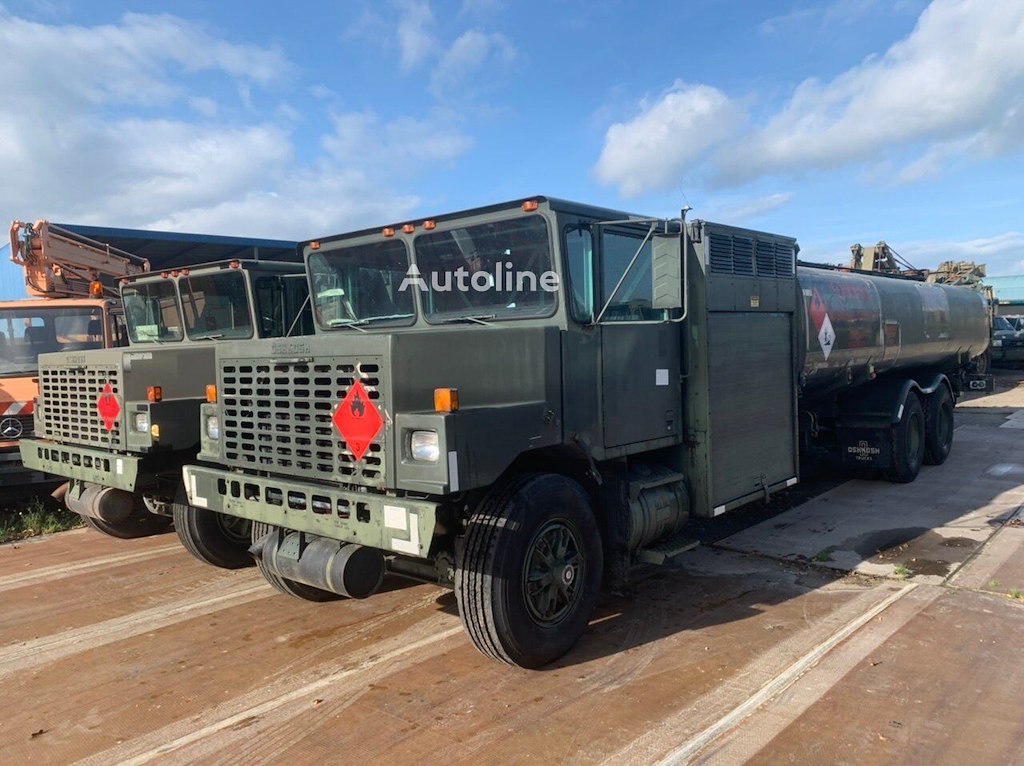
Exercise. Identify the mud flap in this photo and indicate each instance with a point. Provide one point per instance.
(865, 447)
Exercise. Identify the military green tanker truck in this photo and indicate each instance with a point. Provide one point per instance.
(598, 379)
(120, 423)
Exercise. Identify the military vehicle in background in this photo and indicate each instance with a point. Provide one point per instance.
(601, 378)
(119, 424)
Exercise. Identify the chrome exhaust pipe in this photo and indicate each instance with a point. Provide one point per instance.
(350, 570)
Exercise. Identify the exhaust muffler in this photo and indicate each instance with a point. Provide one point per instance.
(347, 569)
(103, 503)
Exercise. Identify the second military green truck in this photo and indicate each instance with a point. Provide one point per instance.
(523, 401)
(120, 423)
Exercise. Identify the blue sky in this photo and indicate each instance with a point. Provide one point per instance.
(834, 122)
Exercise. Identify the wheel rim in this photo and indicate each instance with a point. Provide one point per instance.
(234, 528)
(554, 572)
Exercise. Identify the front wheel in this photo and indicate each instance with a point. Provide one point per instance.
(213, 538)
(908, 442)
(528, 575)
(939, 427)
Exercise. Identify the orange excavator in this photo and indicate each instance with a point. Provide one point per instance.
(75, 306)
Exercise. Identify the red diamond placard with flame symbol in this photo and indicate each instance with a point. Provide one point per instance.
(358, 420)
(109, 407)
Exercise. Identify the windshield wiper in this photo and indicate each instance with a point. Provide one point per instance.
(353, 323)
(478, 318)
(208, 336)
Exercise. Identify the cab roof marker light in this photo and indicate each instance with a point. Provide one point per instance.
(408, 228)
(530, 205)
(315, 245)
(388, 231)
(235, 264)
(430, 225)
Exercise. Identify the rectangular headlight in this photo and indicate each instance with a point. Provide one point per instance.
(141, 422)
(423, 445)
(213, 426)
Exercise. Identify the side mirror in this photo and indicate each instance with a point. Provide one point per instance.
(666, 272)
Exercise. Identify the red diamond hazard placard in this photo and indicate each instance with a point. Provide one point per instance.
(358, 420)
(109, 407)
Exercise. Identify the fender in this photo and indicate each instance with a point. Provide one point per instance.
(884, 399)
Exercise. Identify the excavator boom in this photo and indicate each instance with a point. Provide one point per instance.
(61, 264)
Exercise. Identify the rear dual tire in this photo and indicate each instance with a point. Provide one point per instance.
(908, 442)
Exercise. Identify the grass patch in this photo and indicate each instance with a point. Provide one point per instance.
(35, 519)
(901, 570)
(1017, 594)
(824, 555)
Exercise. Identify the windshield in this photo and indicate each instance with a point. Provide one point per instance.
(489, 271)
(216, 305)
(25, 333)
(151, 309)
(361, 284)
(1001, 323)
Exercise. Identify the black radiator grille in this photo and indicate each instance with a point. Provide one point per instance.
(278, 417)
(70, 398)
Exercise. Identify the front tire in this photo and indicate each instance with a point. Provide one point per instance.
(528, 575)
(939, 427)
(213, 538)
(908, 442)
(283, 585)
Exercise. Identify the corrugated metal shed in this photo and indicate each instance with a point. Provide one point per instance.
(1008, 290)
(167, 249)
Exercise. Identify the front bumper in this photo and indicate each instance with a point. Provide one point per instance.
(402, 525)
(91, 465)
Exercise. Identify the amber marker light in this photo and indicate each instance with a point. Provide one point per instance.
(211, 394)
(530, 205)
(235, 264)
(408, 228)
(446, 399)
(155, 393)
(96, 289)
(430, 225)
(314, 245)
(388, 231)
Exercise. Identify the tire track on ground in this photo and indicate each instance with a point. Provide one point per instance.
(62, 571)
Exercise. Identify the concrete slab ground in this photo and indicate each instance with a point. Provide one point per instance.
(131, 652)
(927, 528)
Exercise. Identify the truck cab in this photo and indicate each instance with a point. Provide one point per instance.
(29, 328)
(118, 424)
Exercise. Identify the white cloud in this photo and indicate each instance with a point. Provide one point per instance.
(1002, 254)
(471, 51)
(954, 87)
(105, 127)
(653, 150)
(416, 39)
(741, 211)
(925, 88)
(405, 146)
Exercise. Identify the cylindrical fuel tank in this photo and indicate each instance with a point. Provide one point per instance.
(856, 325)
